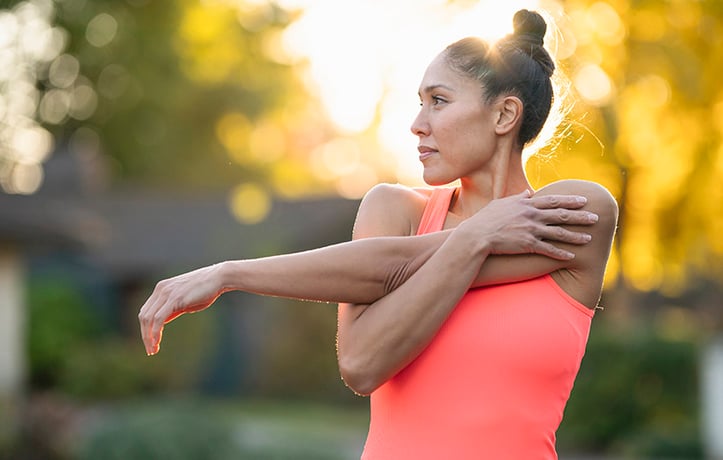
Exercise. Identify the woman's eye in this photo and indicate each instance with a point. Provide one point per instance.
(436, 100)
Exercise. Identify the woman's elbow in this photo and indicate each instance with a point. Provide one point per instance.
(358, 376)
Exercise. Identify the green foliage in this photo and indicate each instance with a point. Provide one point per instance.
(71, 352)
(636, 394)
(107, 368)
(60, 319)
(167, 77)
(299, 360)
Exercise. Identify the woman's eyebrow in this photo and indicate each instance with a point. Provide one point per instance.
(430, 88)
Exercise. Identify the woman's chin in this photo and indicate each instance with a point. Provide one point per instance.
(435, 180)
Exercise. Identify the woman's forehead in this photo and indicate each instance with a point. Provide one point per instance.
(440, 74)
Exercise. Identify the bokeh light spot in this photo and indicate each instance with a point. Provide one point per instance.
(606, 21)
(83, 102)
(26, 178)
(101, 30)
(250, 203)
(54, 106)
(593, 84)
(63, 71)
(657, 89)
(32, 144)
(113, 81)
(232, 130)
(267, 141)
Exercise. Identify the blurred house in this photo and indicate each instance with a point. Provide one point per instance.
(127, 238)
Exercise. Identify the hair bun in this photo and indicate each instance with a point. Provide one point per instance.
(529, 27)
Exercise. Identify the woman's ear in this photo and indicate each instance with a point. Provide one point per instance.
(509, 114)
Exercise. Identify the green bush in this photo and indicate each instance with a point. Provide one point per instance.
(72, 351)
(60, 319)
(108, 368)
(635, 396)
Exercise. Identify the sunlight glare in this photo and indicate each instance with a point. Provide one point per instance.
(357, 182)
(366, 59)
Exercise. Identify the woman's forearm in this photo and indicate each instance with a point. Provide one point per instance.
(360, 271)
(376, 341)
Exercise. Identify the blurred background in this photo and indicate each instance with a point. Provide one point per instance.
(143, 138)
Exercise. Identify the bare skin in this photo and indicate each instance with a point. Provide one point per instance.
(459, 137)
(377, 340)
(357, 271)
(397, 289)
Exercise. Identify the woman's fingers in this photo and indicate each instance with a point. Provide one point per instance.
(152, 317)
(145, 321)
(546, 249)
(173, 297)
(558, 201)
(563, 235)
(561, 216)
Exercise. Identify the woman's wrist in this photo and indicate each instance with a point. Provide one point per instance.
(230, 275)
(477, 243)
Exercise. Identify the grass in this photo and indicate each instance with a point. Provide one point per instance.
(219, 430)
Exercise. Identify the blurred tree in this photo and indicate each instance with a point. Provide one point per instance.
(192, 93)
(197, 93)
(647, 124)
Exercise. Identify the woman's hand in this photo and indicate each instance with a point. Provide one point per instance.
(524, 224)
(187, 293)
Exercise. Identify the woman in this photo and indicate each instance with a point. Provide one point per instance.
(459, 317)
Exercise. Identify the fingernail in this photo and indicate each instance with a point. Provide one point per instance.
(581, 200)
(594, 217)
(587, 237)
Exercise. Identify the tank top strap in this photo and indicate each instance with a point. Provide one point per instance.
(435, 212)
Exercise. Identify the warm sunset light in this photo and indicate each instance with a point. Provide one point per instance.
(144, 143)
(365, 61)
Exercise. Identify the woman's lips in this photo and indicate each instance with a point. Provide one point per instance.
(425, 152)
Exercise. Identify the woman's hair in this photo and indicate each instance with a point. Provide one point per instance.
(517, 64)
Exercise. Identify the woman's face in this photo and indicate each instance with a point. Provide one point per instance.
(455, 126)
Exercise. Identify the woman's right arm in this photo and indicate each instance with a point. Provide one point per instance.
(377, 340)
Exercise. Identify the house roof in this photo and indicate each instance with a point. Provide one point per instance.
(41, 221)
(153, 231)
(136, 232)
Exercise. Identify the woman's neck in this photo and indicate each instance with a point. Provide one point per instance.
(505, 176)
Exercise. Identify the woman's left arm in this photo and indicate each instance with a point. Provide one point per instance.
(582, 276)
(362, 272)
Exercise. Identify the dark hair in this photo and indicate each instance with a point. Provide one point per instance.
(517, 64)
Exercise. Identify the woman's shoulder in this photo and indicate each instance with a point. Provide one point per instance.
(583, 278)
(390, 210)
(599, 199)
(594, 192)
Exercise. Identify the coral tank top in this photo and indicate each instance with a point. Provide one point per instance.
(494, 381)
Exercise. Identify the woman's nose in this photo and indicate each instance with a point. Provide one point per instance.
(420, 126)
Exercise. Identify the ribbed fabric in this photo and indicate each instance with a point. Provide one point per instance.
(494, 381)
